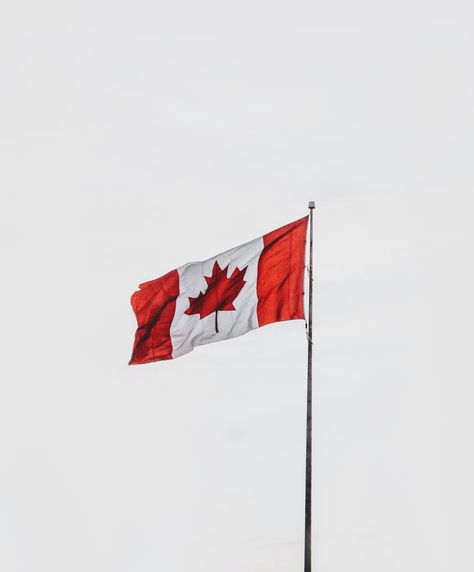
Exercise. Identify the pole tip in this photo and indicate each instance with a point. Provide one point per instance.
(311, 205)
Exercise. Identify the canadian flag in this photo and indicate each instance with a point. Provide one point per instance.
(228, 295)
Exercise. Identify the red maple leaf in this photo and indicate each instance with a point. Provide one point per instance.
(220, 294)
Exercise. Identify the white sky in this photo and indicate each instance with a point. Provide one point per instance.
(136, 137)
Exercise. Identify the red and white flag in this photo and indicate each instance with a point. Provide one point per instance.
(228, 295)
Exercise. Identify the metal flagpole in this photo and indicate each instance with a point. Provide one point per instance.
(309, 402)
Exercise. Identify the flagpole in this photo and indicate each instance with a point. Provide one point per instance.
(309, 402)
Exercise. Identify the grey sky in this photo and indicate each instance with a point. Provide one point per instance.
(136, 137)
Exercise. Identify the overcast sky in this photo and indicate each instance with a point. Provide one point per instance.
(138, 136)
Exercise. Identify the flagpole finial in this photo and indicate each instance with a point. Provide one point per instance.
(311, 205)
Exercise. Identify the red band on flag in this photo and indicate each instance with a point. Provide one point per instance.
(154, 306)
(281, 274)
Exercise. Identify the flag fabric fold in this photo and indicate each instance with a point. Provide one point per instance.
(228, 295)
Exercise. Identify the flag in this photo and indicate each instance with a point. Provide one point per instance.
(228, 295)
